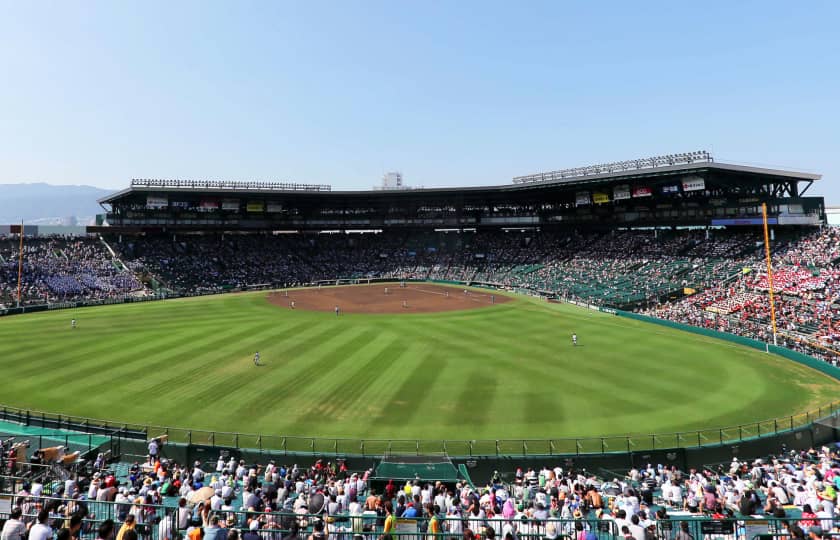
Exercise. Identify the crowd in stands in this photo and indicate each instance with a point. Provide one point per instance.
(656, 272)
(604, 266)
(806, 283)
(795, 495)
(57, 269)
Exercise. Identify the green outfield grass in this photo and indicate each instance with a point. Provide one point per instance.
(506, 371)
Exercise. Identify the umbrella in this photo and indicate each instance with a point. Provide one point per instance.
(201, 495)
(316, 503)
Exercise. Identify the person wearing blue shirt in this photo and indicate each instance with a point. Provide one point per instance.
(410, 511)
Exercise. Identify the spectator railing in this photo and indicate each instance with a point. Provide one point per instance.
(157, 522)
(454, 448)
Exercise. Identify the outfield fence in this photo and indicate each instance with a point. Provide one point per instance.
(395, 447)
(157, 522)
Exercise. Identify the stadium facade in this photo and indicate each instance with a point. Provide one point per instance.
(698, 193)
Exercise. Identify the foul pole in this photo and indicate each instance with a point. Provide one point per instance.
(20, 261)
(769, 272)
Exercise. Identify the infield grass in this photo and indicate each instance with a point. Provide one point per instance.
(506, 371)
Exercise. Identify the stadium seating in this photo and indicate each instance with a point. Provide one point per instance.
(59, 269)
(656, 272)
(167, 500)
(806, 282)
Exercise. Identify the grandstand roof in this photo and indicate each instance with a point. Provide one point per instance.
(650, 173)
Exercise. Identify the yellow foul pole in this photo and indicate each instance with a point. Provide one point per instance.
(769, 271)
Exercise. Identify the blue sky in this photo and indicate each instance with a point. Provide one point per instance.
(449, 93)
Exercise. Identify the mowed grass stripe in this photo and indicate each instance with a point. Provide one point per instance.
(119, 363)
(29, 372)
(507, 371)
(408, 400)
(339, 363)
(488, 344)
(172, 355)
(399, 389)
(339, 400)
(170, 365)
(319, 361)
(238, 355)
(349, 394)
(211, 358)
(379, 385)
(543, 357)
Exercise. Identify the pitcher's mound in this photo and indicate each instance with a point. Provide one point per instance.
(386, 298)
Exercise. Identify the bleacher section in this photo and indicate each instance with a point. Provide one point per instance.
(640, 269)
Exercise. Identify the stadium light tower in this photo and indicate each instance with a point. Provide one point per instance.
(668, 160)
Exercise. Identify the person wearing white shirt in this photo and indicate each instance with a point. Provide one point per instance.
(426, 495)
(268, 474)
(183, 514)
(632, 503)
(216, 501)
(165, 529)
(37, 489)
(69, 488)
(733, 496)
(241, 471)
(826, 515)
(620, 519)
(153, 451)
(800, 497)
(780, 494)
(41, 531)
(813, 499)
(453, 523)
(14, 528)
(93, 489)
(636, 530)
(440, 500)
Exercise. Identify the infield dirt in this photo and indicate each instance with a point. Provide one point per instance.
(413, 298)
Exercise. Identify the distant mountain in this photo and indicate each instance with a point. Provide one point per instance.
(45, 203)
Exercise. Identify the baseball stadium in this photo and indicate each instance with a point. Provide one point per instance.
(672, 313)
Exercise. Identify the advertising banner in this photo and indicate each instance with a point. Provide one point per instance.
(693, 183)
(743, 221)
(621, 192)
(255, 206)
(642, 191)
(207, 204)
(230, 204)
(582, 197)
(157, 201)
